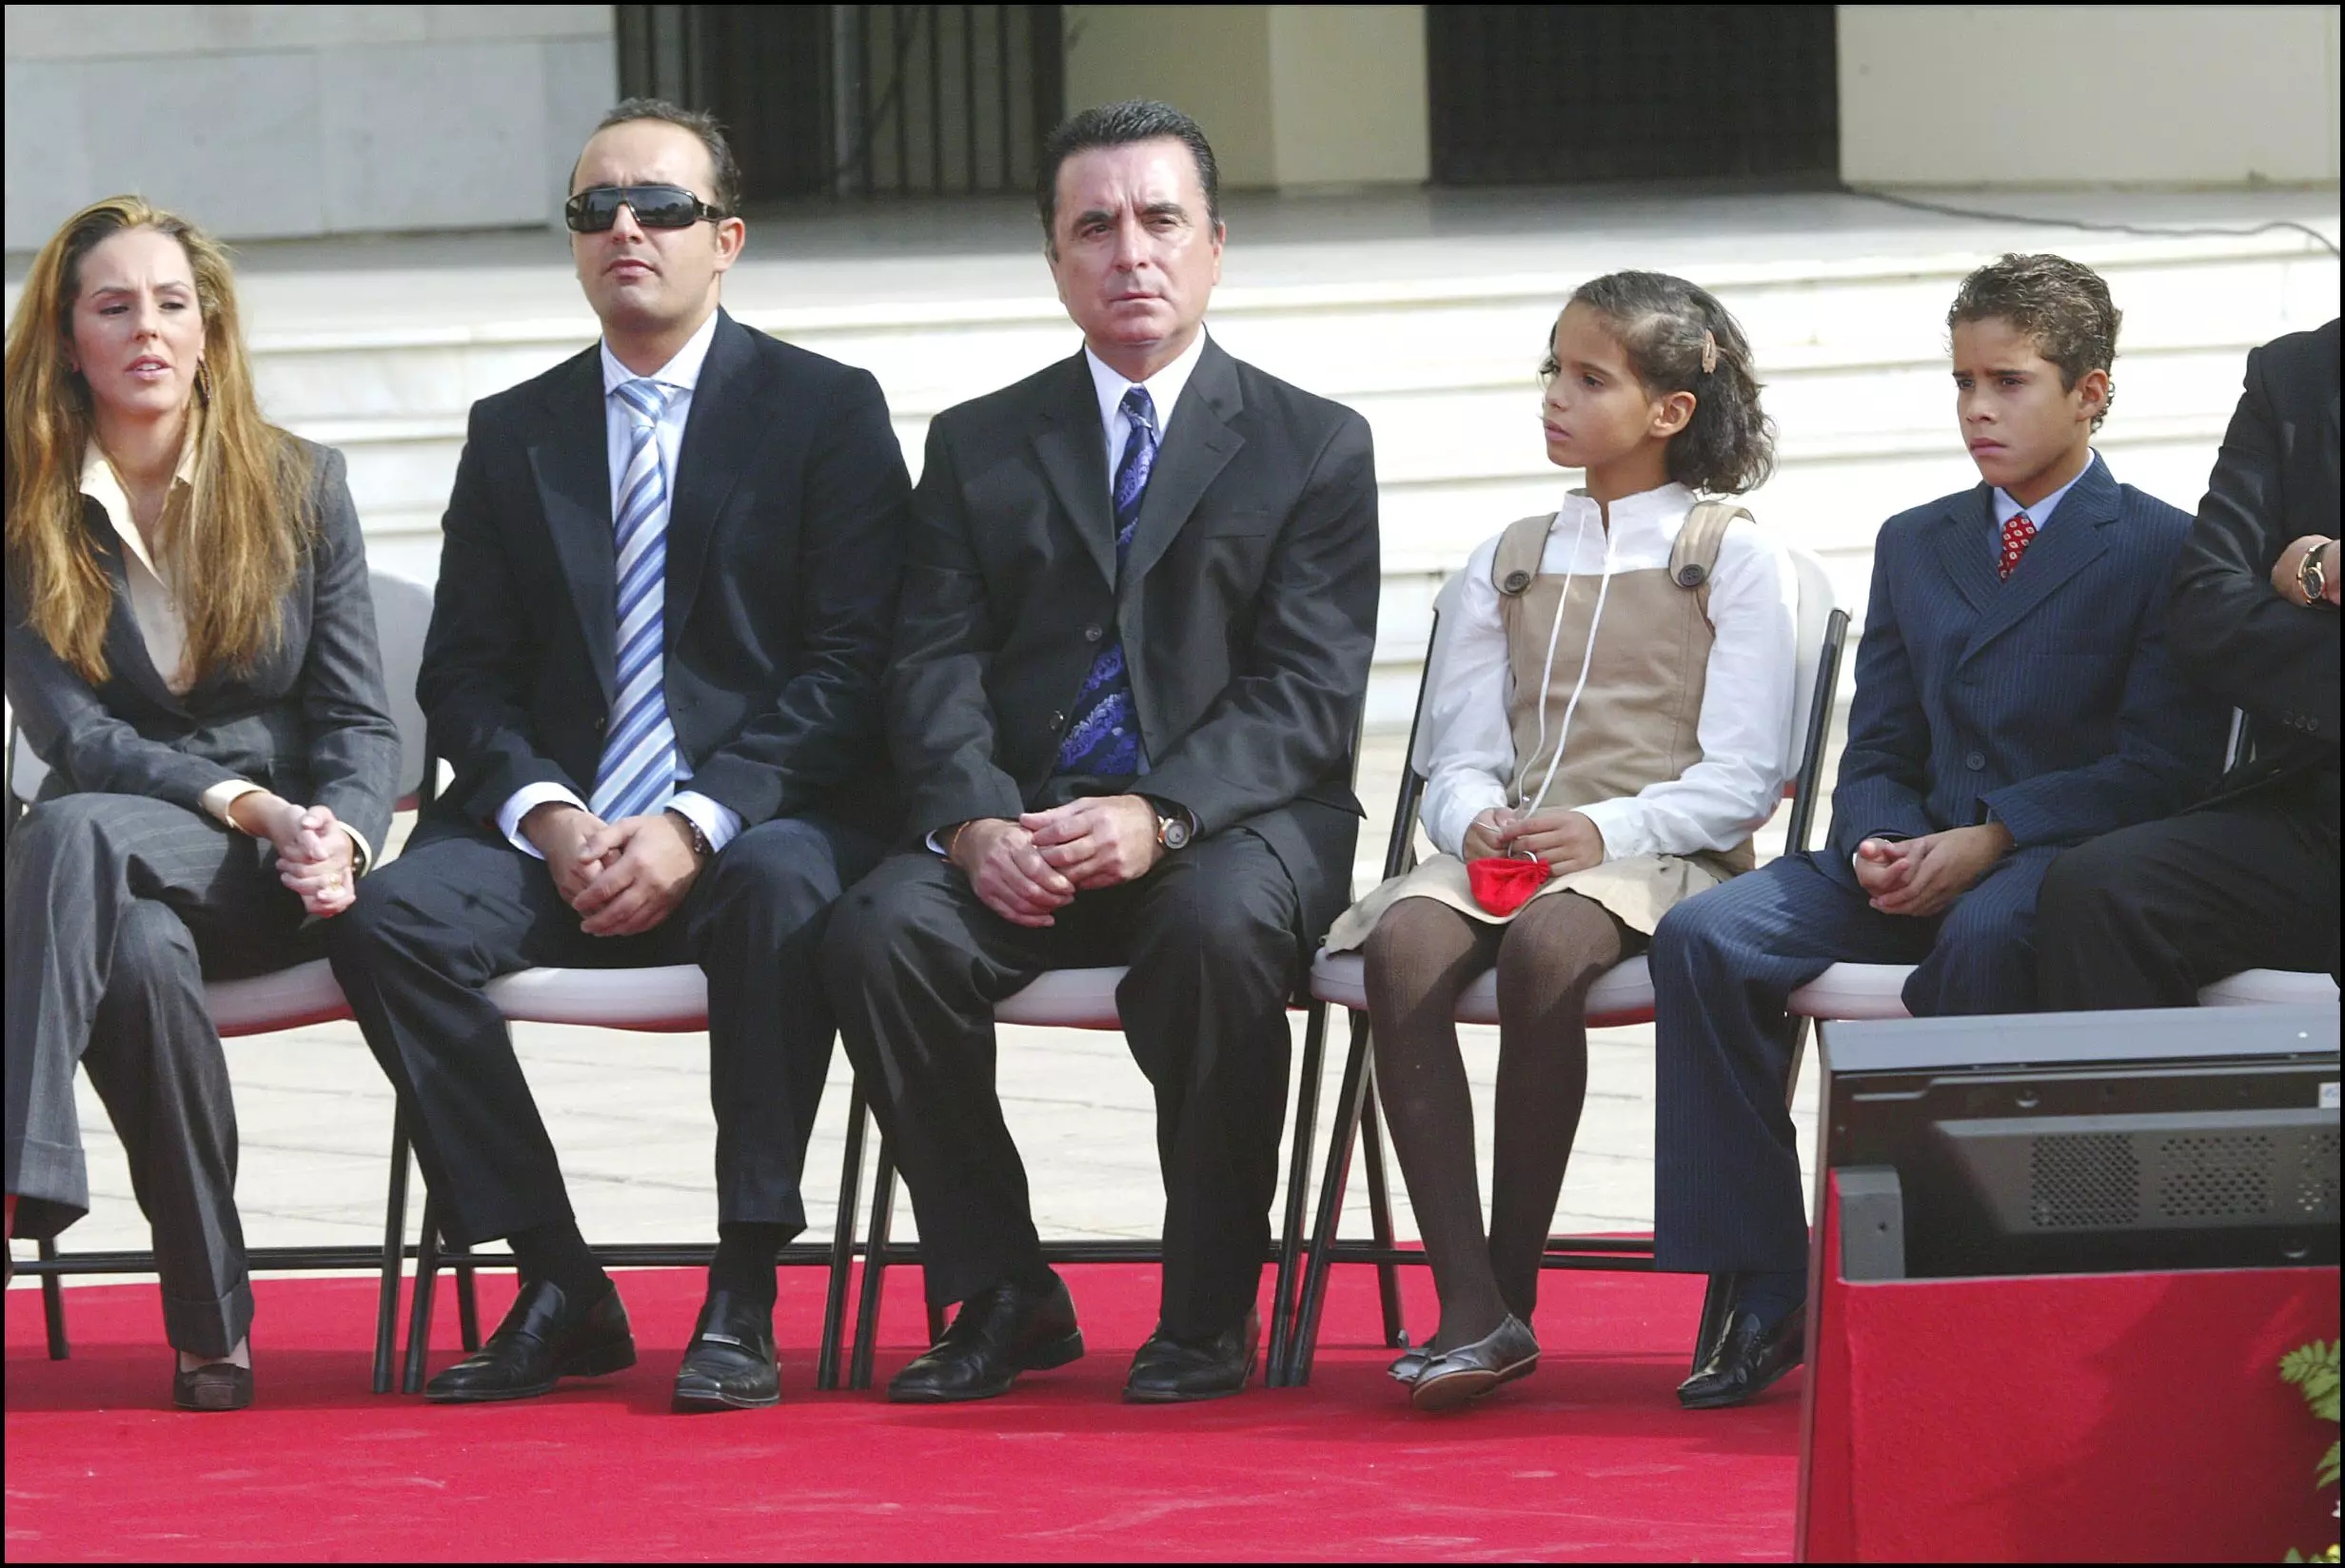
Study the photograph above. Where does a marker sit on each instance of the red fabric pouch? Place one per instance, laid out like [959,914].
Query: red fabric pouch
[1503,884]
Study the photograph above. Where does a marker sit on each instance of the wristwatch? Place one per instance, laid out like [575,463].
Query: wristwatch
[701,847]
[1173,828]
[2313,577]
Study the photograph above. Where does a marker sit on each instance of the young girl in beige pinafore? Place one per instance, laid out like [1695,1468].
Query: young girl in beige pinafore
[1612,724]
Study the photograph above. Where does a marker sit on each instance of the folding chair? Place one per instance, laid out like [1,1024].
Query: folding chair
[1624,995]
[291,999]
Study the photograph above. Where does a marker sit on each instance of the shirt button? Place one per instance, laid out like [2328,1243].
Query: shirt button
[1976,762]
[1093,632]
[598,724]
[1058,720]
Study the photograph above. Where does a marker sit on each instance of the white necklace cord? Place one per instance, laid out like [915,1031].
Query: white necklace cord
[1587,656]
[1547,675]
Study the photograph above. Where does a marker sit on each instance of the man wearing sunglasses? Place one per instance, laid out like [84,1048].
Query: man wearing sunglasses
[664,595]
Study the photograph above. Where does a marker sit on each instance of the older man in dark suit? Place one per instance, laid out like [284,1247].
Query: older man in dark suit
[1137,617]
[2014,697]
[2143,918]
[654,661]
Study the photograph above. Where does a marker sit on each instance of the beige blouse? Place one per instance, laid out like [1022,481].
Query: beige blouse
[154,608]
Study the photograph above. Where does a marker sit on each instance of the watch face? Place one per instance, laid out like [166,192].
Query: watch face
[1175,833]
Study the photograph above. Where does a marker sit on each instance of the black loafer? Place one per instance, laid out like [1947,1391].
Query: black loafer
[1747,1361]
[215,1386]
[1170,1371]
[542,1339]
[729,1365]
[997,1334]
[1454,1376]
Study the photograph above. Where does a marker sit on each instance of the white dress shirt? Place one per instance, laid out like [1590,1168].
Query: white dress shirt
[720,822]
[154,605]
[1745,728]
[1164,392]
[2040,514]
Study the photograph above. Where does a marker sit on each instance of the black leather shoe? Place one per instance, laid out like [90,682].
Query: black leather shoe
[1170,1371]
[215,1386]
[997,1334]
[1748,1360]
[729,1365]
[544,1338]
[1453,1377]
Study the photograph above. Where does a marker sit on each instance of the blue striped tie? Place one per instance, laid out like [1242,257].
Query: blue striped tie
[1104,737]
[638,773]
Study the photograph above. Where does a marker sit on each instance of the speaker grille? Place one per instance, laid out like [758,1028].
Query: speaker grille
[2083,1179]
[2215,1175]
[2316,1176]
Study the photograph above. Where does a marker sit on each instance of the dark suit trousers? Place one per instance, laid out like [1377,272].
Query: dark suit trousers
[118,906]
[2144,916]
[431,929]
[1725,964]
[915,964]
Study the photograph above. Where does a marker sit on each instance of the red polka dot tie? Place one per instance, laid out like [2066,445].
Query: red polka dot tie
[2015,535]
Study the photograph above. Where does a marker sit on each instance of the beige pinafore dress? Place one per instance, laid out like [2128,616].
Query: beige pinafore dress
[1635,725]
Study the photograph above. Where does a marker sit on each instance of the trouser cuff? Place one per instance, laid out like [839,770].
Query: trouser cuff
[208,1327]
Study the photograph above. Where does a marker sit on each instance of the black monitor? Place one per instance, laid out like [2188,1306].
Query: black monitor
[2085,1143]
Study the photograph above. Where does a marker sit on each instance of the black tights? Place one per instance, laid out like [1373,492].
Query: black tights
[1421,956]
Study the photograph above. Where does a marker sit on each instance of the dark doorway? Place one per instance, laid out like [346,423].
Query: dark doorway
[1543,95]
[860,100]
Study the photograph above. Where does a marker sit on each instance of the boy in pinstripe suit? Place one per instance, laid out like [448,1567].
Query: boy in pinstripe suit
[2014,697]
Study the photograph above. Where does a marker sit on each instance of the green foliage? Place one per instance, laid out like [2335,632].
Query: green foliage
[2312,1368]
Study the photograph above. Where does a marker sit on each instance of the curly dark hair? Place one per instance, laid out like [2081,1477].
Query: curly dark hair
[1668,328]
[2062,304]
[724,174]
[1115,124]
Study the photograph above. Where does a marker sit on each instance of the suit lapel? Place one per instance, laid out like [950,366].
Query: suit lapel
[2070,543]
[1073,451]
[1964,538]
[571,459]
[1198,444]
[719,436]
[126,647]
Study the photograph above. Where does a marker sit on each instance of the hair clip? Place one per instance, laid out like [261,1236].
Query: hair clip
[1709,353]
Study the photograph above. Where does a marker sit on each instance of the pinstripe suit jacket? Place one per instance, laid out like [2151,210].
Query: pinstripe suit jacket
[2048,700]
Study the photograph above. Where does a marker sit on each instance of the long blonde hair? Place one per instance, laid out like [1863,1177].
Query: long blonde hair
[234,552]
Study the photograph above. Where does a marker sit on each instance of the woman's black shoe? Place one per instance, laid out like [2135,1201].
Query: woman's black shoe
[1454,1376]
[215,1386]
[1748,1360]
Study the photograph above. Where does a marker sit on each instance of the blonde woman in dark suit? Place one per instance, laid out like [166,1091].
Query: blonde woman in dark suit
[192,651]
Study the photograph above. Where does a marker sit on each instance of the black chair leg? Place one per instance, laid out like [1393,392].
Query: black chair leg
[467,1310]
[394,1257]
[1380,1213]
[875,1269]
[427,1280]
[1348,1102]
[1284,1283]
[842,1242]
[52,1306]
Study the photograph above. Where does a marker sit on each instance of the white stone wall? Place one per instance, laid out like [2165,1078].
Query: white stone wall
[269,122]
[2058,95]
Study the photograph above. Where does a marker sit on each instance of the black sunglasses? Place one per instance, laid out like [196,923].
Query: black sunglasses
[595,209]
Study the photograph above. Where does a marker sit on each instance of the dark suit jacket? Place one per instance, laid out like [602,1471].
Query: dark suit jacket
[2274,481]
[1247,607]
[784,532]
[2048,700]
[308,720]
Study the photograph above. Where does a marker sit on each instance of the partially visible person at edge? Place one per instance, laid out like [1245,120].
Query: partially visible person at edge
[1612,720]
[2145,916]
[191,654]
[1139,604]
[2014,697]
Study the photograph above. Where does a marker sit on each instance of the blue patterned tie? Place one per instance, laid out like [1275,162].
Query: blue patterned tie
[1104,738]
[637,771]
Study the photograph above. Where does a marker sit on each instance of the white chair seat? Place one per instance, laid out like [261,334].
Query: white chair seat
[291,999]
[2250,987]
[1067,999]
[1622,995]
[670,998]
[1876,990]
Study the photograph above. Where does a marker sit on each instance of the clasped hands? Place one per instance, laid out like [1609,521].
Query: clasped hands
[1569,841]
[622,877]
[1921,876]
[315,857]
[1028,867]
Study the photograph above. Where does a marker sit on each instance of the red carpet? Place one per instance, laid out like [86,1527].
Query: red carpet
[1588,1458]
